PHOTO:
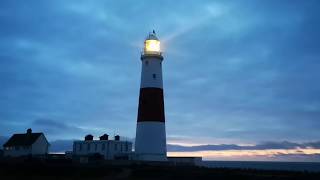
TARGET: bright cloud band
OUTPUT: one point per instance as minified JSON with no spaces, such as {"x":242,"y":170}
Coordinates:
{"x":263,"y":155}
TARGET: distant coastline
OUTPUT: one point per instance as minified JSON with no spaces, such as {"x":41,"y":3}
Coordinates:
{"x":265,"y":165}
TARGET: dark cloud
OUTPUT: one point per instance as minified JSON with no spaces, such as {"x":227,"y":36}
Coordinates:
{"x":237,"y":71}
{"x":262,"y":146}
{"x":55,"y":127}
{"x":3,"y":140}
{"x":298,"y":158}
{"x":61,"y":145}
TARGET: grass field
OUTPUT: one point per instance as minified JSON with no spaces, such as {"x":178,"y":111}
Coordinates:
{"x":64,"y":171}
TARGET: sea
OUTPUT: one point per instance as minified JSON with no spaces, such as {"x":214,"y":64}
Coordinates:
{"x":265,"y":165}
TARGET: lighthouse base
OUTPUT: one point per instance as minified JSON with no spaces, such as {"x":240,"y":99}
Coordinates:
{"x":151,"y":157}
{"x":150,"y":142}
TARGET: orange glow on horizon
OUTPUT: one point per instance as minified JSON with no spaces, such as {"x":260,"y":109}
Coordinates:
{"x":245,"y":154}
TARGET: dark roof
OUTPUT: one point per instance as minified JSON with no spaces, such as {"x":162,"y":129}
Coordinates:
{"x":88,"y":137}
{"x":22,"y":139}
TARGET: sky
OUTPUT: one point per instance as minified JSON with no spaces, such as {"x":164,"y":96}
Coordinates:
{"x":239,"y":72}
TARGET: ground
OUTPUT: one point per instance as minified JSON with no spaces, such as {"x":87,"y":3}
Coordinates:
{"x":97,"y":171}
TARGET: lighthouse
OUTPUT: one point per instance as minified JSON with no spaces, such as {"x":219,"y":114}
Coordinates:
{"x":150,"y":143}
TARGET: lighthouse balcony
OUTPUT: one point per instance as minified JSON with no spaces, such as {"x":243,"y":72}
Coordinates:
{"x":151,"y":54}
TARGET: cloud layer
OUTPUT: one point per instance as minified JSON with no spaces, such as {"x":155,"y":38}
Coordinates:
{"x":263,"y":146}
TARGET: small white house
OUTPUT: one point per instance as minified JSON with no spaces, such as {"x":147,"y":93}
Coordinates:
{"x":26,"y":144}
{"x":109,"y":149}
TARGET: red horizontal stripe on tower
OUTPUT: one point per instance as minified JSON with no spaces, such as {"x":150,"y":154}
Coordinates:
{"x":151,"y":106}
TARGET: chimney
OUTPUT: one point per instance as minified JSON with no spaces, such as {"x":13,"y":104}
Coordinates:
{"x":117,"y":138}
{"x":29,"y":131}
{"x":104,"y":137}
{"x":88,"y":137}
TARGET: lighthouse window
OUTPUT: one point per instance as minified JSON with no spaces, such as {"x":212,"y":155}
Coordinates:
{"x":147,"y":62}
{"x":154,"y":76}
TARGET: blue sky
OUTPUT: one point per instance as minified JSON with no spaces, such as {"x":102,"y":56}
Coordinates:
{"x":240,"y":72}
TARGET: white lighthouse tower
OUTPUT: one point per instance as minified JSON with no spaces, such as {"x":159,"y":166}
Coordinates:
{"x":150,"y":142}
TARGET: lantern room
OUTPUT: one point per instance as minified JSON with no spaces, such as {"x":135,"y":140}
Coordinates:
{"x":152,"y":44}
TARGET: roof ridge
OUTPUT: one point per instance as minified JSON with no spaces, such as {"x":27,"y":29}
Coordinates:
{"x":22,"y":139}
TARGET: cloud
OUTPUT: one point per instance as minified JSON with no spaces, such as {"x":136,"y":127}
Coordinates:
{"x":234,"y":72}
{"x":263,"y":146}
{"x":52,"y":126}
{"x":3,"y":140}
{"x":61,"y":146}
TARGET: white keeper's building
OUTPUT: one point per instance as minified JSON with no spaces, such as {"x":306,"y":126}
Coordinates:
{"x":109,"y":149}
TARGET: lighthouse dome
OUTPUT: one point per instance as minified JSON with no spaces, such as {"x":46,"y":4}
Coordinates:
{"x":152,"y":36}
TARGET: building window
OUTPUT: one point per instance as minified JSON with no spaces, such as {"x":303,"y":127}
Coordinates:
{"x":103,"y":146}
{"x":80,"y":147}
{"x":115,"y":147}
{"x":154,"y":76}
{"x":126,"y":147}
{"x":96,"y":147}
{"x":147,"y":62}
{"x":88,"y":148}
